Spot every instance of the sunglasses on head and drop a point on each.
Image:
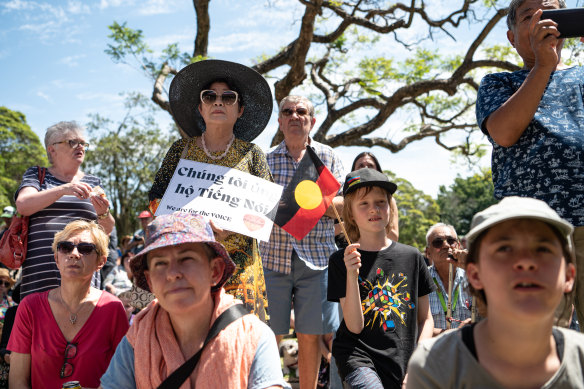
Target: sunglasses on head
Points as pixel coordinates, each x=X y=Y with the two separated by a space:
x=74 y=143
x=438 y=242
x=83 y=248
x=70 y=352
x=228 y=97
x=290 y=111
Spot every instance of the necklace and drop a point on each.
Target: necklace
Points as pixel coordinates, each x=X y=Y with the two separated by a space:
x=208 y=153
x=72 y=316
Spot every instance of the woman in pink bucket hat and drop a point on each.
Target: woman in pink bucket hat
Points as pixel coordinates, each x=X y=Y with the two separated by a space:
x=176 y=341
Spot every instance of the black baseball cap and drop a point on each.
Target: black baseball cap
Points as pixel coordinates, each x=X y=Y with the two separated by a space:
x=367 y=177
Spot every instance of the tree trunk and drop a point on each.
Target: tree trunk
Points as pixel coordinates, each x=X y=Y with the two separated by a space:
x=203 y=27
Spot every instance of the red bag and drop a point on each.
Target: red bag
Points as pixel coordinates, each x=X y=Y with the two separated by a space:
x=15 y=239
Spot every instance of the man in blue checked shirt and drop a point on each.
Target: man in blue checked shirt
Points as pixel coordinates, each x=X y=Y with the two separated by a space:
x=296 y=271
x=442 y=241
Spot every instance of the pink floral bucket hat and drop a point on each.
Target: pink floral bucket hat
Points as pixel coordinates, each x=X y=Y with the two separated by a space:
x=173 y=230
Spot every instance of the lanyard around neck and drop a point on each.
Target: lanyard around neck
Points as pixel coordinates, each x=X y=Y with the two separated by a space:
x=441 y=296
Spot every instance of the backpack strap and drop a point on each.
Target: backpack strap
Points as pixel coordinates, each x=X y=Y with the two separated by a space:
x=180 y=375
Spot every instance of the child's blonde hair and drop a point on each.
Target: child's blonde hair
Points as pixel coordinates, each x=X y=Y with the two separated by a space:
x=349 y=222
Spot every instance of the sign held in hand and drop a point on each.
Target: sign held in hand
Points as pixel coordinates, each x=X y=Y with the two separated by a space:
x=234 y=200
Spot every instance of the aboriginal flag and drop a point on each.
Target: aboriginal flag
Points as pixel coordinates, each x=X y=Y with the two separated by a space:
x=307 y=196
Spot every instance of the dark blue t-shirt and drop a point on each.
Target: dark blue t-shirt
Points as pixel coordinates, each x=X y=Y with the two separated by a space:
x=547 y=162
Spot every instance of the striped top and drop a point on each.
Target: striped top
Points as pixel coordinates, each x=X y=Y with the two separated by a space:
x=39 y=270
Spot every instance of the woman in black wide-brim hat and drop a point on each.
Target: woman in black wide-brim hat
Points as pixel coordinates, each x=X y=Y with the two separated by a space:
x=222 y=106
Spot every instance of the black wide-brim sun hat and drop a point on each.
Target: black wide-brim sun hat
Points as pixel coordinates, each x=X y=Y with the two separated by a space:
x=185 y=90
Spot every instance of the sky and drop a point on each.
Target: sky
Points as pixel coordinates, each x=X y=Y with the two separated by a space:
x=53 y=65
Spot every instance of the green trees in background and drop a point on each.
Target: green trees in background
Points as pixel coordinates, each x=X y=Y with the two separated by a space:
x=20 y=148
x=465 y=197
x=455 y=204
x=126 y=156
x=417 y=212
x=363 y=63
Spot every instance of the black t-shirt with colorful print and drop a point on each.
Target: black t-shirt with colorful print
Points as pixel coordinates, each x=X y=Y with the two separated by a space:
x=390 y=283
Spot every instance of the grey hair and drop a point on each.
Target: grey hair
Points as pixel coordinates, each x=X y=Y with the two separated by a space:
x=512 y=11
x=56 y=131
x=297 y=99
x=438 y=225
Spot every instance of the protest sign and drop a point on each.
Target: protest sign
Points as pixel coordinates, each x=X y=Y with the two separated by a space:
x=234 y=200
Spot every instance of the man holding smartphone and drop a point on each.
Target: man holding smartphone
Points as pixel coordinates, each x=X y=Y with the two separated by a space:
x=534 y=118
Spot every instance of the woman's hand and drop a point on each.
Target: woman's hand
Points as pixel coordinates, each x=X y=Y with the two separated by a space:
x=352 y=259
x=220 y=234
x=101 y=204
x=79 y=189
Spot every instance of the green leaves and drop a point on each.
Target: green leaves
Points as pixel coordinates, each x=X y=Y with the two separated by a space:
x=465 y=197
x=419 y=66
x=128 y=42
x=503 y=52
x=375 y=73
x=20 y=148
x=129 y=47
x=417 y=212
x=126 y=156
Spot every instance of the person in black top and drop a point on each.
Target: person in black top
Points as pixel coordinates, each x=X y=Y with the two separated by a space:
x=382 y=286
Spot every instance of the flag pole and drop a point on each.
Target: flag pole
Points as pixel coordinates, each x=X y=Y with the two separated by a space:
x=341 y=223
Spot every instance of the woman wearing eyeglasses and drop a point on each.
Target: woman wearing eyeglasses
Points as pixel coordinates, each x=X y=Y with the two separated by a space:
x=222 y=106
x=71 y=332
x=64 y=195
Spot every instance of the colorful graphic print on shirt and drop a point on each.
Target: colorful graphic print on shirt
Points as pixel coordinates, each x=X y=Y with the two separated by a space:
x=387 y=301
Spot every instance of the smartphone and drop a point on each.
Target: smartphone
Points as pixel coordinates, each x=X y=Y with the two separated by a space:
x=570 y=21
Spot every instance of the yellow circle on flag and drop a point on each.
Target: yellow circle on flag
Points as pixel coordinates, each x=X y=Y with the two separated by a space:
x=308 y=194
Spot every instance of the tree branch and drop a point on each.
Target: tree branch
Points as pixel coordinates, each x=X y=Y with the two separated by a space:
x=203 y=26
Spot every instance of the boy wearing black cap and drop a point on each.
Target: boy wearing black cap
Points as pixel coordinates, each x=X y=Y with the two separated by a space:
x=383 y=288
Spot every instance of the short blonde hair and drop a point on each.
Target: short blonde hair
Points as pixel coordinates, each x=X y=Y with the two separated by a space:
x=98 y=235
x=350 y=225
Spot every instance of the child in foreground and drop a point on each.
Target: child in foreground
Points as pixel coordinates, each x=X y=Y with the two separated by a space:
x=520 y=265
x=382 y=286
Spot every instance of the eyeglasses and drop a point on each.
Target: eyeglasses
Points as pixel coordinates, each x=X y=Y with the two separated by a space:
x=74 y=143
x=70 y=352
x=6 y=284
x=228 y=97
x=83 y=248
x=299 y=111
x=438 y=242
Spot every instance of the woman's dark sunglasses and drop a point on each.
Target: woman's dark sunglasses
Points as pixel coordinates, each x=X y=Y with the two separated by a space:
x=83 y=248
x=228 y=97
x=438 y=242
x=290 y=111
x=6 y=284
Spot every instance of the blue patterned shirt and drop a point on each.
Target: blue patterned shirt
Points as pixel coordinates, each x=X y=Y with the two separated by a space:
x=462 y=310
x=316 y=247
x=547 y=162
